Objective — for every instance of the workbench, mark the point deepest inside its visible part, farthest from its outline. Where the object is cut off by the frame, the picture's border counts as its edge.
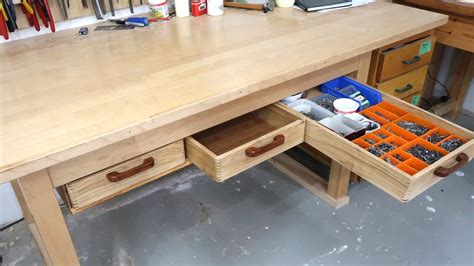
(73, 106)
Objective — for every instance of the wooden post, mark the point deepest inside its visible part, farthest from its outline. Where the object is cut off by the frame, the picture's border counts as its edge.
(45, 220)
(338, 184)
(462, 79)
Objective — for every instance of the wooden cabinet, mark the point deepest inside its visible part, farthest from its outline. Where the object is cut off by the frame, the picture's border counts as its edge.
(236, 145)
(400, 69)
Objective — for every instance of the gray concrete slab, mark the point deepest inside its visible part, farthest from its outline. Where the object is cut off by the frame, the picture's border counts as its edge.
(261, 217)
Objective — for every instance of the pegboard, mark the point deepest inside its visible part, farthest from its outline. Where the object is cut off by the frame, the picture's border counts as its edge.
(75, 10)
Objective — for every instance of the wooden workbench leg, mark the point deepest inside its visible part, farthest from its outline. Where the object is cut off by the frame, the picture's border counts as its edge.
(338, 183)
(45, 220)
(460, 89)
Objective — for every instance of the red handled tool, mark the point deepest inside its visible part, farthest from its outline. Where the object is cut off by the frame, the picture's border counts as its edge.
(44, 12)
(3, 22)
(30, 14)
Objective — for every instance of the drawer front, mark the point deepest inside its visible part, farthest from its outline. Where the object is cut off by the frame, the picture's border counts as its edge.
(102, 185)
(390, 179)
(403, 59)
(237, 159)
(406, 84)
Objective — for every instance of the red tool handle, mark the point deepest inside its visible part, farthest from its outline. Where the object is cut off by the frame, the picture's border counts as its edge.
(3, 28)
(33, 18)
(41, 13)
(51, 21)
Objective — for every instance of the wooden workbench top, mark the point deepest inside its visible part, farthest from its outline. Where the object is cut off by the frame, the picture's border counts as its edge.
(63, 95)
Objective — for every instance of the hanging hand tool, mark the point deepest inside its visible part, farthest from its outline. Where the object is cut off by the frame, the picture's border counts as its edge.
(44, 12)
(112, 10)
(30, 14)
(97, 10)
(131, 6)
(9, 9)
(103, 9)
(3, 20)
(85, 4)
(141, 2)
(63, 8)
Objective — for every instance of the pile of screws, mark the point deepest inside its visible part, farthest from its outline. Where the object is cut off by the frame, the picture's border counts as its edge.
(381, 135)
(424, 154)
(435, 138)
(326, 103)
(370, 141)
(380, 149)
(387, 159)
(398, 157)
(413, 127)
(381, 115)
(451, 144)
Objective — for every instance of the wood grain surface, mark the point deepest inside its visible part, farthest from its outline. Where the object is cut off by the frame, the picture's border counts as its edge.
(63, 95)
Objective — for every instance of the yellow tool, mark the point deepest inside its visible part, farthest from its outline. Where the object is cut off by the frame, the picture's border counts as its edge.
(27, 7)
(3, 13)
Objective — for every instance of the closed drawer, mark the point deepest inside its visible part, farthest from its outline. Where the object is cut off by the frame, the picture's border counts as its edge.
(391, 179)
(406, 84)
(122, 177)
(238, 144)
(405, 58)
(413, 99)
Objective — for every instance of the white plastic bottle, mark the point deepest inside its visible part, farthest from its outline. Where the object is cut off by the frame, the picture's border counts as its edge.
(215, 7)
(182, 8)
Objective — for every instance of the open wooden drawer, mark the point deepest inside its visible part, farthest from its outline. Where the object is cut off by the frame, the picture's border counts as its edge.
(384, 175)
(236, 145)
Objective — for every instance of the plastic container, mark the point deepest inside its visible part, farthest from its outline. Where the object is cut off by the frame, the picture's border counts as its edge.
(310, 109)
(215, 7)
(182, 8)
(159, 8)
(325, 100)
(345, 106)
(332, 87)
(392, 109)
(399, 132)
(292, 98)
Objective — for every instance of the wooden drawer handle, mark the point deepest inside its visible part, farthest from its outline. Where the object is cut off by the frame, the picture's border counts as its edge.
(254, 152)
(117, 176)
(461, 159)
(404, 89)
(415, 59)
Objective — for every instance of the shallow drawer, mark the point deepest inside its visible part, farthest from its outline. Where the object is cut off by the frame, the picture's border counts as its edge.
(406, 84)
(122, 177)
(238, 144)
(387, 177)
(405, 58)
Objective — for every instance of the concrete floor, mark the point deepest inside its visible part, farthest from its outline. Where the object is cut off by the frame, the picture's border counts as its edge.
(262, 217)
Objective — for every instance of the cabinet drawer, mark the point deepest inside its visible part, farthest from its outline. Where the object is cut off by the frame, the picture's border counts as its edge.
(387, 177)
(238, 144)
(405, 58)
(122, 177)
(406, 84)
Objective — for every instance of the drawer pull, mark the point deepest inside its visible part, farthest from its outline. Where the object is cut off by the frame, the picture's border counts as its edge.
(461, 159)
(254, 152)
(404, 89)
(415, 59)
(116, 176)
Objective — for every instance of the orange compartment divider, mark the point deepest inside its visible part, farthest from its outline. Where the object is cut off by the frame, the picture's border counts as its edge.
(450, 138)
(372, 138)
(425, 144)
(382, 132)
(407, 169)
(395, 141)
(361, 143)
(389, 159)
(415, 119)
(400, 132)
(392, 108)
(400, 155)
(416, 163)
(383, 113)
(370, 115)
(439, 131)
